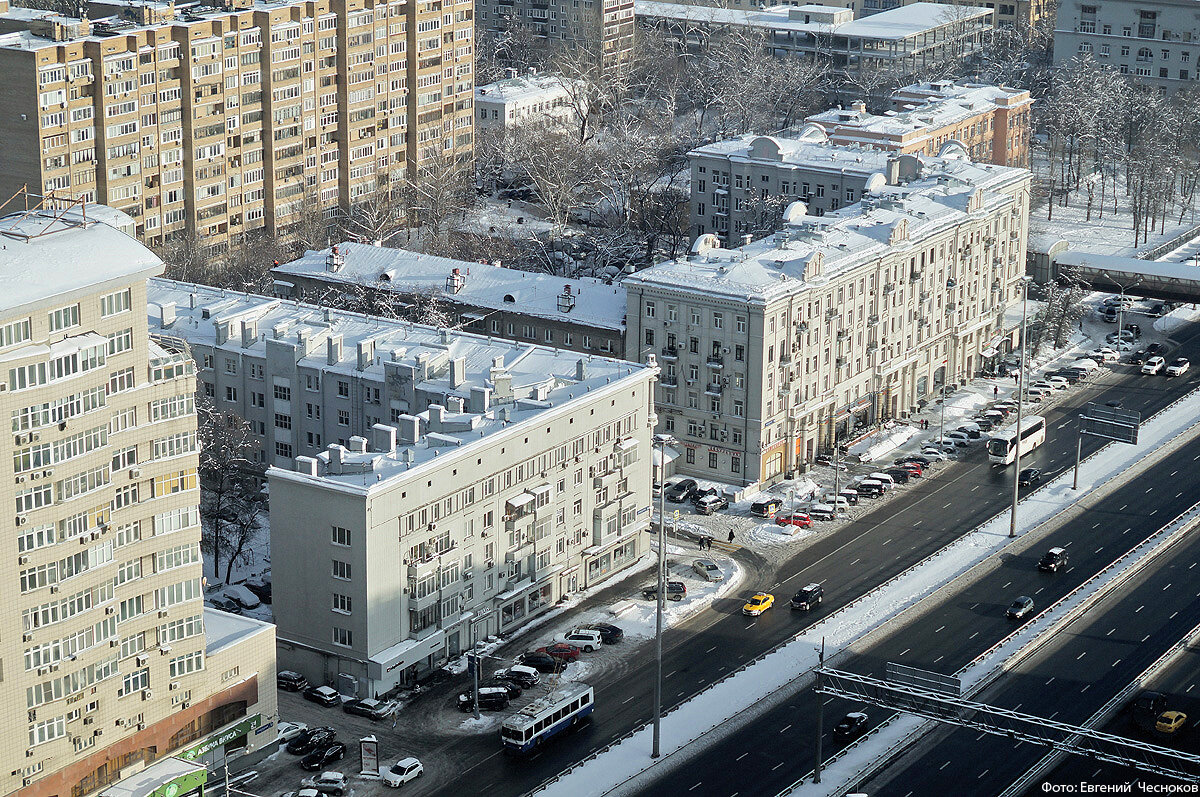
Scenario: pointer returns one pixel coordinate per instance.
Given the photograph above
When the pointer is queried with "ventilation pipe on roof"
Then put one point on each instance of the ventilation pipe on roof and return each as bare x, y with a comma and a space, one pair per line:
409, 427
358, 444
383, 438
481, 399
458, 372
249, 333
437, 414
333, 349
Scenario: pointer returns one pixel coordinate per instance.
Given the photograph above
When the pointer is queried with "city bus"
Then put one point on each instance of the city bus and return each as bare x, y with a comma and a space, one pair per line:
1002, 447
546, 717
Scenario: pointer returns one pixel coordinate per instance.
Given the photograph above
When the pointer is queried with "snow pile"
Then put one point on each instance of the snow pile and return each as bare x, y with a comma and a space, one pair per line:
882, 443
774, 534
1175, 319
757, 683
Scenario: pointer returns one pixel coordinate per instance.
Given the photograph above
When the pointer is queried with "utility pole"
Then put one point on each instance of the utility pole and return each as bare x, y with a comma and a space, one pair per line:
820, 712
1023, 381
662, 441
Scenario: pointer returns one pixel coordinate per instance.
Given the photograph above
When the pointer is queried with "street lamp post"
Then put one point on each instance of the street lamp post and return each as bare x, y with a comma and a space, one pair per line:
476, 659
1121, 307
950, 285
1012, 521
661, 441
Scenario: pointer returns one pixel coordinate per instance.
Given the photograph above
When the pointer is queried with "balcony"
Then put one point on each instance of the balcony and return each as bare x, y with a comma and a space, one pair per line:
669, 381
714, 388
715, 361
670, 352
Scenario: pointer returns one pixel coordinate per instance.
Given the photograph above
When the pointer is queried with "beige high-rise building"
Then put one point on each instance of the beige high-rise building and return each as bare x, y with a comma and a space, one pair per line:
112, 665
219, 121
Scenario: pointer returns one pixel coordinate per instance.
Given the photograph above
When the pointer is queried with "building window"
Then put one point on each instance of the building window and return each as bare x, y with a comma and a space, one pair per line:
343, 417
283, 421
341, 603
283, 450
340, 536
739, 353
718, 321
735, 464
650, 309
230, 393
690, 456
64, 318
712, 459
342, 637
341, 570
283, 393
343, 388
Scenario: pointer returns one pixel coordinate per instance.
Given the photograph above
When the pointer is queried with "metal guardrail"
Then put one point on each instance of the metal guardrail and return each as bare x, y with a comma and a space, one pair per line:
1157, 251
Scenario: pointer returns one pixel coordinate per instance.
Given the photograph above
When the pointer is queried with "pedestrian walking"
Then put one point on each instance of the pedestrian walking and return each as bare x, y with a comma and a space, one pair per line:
731, 536
995, 391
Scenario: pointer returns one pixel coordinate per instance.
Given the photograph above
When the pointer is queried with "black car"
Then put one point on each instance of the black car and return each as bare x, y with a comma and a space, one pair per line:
311, 739
1071, 376
676, 591
920, 460
1116, 404
809, 597
899, 475
1029, 477
323, 756
1155, 348
1145, 709
367, 707
1054, 560
852, 726
512, 687
1139, 357
766, 507
290, 681
699, 494
681, 490
539, 661
1135, 329
491, 698
609, 634
324, 695
984, 424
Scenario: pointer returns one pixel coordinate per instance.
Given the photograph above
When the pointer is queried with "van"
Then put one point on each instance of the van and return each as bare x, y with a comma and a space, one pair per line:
851, 496
888, 482
491, 698
871, 488
290, 681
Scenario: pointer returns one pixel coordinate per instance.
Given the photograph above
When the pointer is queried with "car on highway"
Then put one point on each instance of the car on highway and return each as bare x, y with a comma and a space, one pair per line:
712, 503
367, 707
609, 633
401, 772
561, 651
323, 756
809, 597
290, 681
852, 726
798, 519
1146, 709
322, 695
585, 639
1170, 722
1021, 608
521, 675
539, 661
707, 569
1053, 560
1178, 367
759, 602
1153, 365
491, 698
676, 591
307, 741
681, 490
1138, 357
766, 507
1028, 477
289, 730
1155, 348
334, 783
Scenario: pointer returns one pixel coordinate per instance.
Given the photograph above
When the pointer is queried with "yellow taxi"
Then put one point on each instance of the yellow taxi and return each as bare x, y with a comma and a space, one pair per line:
758, 603
1170, 722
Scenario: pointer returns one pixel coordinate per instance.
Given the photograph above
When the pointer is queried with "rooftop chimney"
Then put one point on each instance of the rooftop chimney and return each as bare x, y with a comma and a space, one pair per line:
336, 454
454, 404
167, 319
249, 333
409, 428
581, 369
436, 414
358, 444
306, 465
383, 438
481, 399
333, 348
366, 354
458, 372
335, 260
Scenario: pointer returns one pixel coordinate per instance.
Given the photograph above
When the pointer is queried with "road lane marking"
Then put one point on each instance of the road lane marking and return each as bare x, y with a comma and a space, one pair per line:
710, 650
777, 766
739, 758
906, 650
1080, 656
784, 728
1143, 606
698, 785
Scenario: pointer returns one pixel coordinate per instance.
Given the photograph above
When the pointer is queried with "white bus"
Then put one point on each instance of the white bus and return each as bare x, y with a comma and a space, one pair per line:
1002, 447
547, 716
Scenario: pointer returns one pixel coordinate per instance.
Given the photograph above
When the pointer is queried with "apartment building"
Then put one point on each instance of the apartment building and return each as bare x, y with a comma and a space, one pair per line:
904, 41
1153, 41
564, 24
773, 350
218, 121
530, 98
991, 123
389, 547
113, 665
584, 315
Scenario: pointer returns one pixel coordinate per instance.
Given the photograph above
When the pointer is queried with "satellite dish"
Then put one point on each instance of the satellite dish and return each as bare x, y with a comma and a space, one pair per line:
794, 212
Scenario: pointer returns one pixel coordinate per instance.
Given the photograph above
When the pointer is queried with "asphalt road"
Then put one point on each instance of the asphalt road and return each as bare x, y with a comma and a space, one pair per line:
1068, 681
850, 562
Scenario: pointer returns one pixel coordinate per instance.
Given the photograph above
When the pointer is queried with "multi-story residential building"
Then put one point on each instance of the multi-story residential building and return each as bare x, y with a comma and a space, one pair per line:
903, 41
585, 315
387, 541
992, 123
524, 99
220, 121
112, 662
1156, 41
772, 351
559, 23
1018, 12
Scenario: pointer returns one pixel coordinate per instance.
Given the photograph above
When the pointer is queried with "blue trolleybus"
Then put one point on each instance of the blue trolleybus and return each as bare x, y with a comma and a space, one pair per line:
533, 725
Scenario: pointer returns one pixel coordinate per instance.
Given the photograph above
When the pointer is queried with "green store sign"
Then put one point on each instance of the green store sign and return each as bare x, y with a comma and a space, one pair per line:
184, 784
248, 725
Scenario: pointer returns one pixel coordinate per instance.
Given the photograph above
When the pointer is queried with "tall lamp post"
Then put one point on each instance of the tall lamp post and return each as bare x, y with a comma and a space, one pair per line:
660, 440
1121, 308
477, 659
1012, 521
951, 284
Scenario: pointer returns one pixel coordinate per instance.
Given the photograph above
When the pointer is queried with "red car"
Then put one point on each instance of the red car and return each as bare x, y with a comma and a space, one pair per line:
795, 519
913, 467
561, 651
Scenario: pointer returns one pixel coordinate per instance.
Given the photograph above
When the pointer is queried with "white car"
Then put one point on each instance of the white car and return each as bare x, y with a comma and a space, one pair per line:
1178, 367
584, 639
1153, 365
1105, 355
959, 438
1039, 390
934, 454
1059, 383
290, 730
948, 442
328, 783
402, 772
708, 570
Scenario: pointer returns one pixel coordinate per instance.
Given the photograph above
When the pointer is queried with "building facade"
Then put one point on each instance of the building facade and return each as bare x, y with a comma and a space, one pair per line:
1155, 42
1018, 12
221, 121
527, 99
559, 23
585, 315
113, 661
772, 351
427, 485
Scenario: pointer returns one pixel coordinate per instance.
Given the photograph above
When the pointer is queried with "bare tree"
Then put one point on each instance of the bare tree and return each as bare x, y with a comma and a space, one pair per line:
435, 194
374, 216
229, 482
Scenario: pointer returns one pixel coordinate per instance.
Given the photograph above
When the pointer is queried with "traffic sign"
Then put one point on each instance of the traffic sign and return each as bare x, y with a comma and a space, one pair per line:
1111, 423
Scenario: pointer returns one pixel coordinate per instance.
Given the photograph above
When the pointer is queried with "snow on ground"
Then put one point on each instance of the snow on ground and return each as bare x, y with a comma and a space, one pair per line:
753, 687
1175, 319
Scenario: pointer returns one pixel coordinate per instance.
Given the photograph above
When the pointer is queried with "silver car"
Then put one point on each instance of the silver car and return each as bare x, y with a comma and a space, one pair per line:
708, 570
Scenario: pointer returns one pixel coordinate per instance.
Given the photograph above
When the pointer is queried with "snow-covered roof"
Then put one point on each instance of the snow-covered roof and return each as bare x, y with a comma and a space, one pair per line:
47, 254
959, 103
783, 264
484, 286
523, 88
892, 25
817, 155
222, 629
479, 385
1117, 264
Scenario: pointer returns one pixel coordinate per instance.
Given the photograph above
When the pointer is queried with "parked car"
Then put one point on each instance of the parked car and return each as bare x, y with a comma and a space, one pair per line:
913, 468
871, 488
1041, 387
324, 695
1124, 334
227, 605
1021, 608
286, 731
707, 569
1155, 348
852, 726
1053, 560
367, 707
1147, 708
822, 512
1104, 355
261, 588
1154, 365
1170, 722
887, 481
1059, 383
759, 602
923, 461
539, 661
1138, 357
971, 430
609, 633
934, 455
1178, 367
681, 490
1134, 328
323, 756
1157, 311
1069, 374
710, 504
766, 507
676, 591
561, 651
307, 741
809, 597
243, 597
290, 681
402, 772
491, 698
513, 689
851, 496
984, 423
585, 639
329, 783
800, 519
899, 475
1109, 314
1028, 477
520, 674
960, 438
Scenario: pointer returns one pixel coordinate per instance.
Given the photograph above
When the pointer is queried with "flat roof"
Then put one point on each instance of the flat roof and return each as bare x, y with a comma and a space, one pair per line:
46, 254
807, 152
222, 629
522, 87
145, 782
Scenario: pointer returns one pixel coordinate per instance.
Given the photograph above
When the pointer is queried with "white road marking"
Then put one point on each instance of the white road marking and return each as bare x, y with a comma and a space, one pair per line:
784, 728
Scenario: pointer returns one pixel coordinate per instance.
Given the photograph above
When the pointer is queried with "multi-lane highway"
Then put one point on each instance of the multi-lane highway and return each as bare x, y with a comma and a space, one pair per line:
850, 562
